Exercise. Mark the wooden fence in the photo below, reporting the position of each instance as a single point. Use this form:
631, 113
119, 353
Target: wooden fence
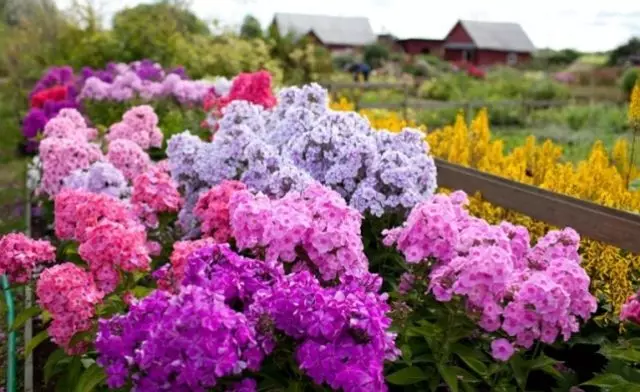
594, 221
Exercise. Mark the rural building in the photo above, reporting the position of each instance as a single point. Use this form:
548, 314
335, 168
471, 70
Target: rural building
336, 33
487, 43
414, 46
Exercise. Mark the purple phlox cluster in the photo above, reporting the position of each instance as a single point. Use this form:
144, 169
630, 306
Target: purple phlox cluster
246, 385
342, 332
100, 177
145, 80
510, 288
315, 228
55, 76
189, 340
140, 125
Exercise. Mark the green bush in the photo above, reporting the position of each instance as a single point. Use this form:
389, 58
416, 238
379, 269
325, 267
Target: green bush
629, 78
375, 55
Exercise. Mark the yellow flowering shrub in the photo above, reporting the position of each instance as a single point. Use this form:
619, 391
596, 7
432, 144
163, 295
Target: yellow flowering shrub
601, 178
380, 119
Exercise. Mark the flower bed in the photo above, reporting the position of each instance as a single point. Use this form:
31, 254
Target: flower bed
298, 248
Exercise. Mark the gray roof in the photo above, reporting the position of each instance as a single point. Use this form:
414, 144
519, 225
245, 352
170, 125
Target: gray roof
332, 30
498, 36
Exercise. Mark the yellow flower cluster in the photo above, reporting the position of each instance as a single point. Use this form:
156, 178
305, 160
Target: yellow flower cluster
601, 178
634, 106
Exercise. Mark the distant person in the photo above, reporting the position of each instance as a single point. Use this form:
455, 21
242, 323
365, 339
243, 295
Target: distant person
358, 69
365, 70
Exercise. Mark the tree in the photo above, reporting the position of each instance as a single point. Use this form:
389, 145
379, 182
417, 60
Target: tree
622, 52
375, 54
251, 28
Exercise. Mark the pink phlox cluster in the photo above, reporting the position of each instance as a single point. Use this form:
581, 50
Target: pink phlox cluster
128, 157
631, 309
154, 192
60, 157
111, 247
212, 209
528, 293
315, 228
77, 211
66, 128
139, 125
20, 254
70, 295
74, 116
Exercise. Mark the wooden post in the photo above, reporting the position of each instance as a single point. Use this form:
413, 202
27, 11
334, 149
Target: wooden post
467, 112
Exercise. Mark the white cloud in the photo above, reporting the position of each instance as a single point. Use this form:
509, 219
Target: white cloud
588, 26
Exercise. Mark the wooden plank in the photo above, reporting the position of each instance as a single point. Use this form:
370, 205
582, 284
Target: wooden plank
615, 227
382, 105
363, 86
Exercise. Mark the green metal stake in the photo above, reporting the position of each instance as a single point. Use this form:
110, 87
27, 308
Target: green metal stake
11, 355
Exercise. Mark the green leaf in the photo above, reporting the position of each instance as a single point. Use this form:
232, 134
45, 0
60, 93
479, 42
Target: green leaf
81, 337
406, 354
141, 291
407, 376
91, 378
449, 376
51, 363
520, 370
35, 341
471, 359
24, 316
625, 354
606, 381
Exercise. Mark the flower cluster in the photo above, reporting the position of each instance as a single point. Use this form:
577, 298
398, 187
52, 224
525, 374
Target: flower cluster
154, 192
212, 210
224, 319
528, 293
314, 228
69, 294
111, 239
100, 177
140, 125
128, 157
301, 140
60, 157
19, 255
631, 310
191, 339
145, 81
342, 334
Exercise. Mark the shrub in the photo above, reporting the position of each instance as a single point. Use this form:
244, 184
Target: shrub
629, 78
375, 54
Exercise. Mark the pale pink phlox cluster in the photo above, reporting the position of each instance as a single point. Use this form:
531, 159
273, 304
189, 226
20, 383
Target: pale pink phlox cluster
128, 157
139, 125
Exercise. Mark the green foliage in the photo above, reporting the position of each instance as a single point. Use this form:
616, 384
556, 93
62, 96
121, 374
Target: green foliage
629, 78
375, 54
622, 52
301, 60
250, 28
602, 118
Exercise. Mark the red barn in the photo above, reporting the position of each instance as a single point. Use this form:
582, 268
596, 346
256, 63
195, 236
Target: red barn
415, 46
487, 43
335, 33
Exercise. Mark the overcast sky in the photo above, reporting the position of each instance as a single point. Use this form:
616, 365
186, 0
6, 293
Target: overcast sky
585, 25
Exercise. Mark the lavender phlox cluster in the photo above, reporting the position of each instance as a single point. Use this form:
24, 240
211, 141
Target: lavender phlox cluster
221, 86
100, 177
342, 332
182, 150
510, 288
182, 342
245, 113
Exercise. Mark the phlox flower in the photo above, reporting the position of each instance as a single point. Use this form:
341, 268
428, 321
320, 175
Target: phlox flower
20, 254
128, 157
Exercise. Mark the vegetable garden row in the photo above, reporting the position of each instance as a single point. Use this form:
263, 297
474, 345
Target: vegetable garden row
223, 236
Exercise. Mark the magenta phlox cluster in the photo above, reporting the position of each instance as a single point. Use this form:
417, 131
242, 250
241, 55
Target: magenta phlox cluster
341, 332
70, 295
139, 125
177, 342
154, 192
510, 288
60, 157
314, 228
19, 255
172, 277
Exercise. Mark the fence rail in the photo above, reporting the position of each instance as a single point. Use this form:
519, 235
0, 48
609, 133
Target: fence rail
615, 227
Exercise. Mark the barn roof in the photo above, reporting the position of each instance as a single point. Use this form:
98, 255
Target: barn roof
498, 36
331, 30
